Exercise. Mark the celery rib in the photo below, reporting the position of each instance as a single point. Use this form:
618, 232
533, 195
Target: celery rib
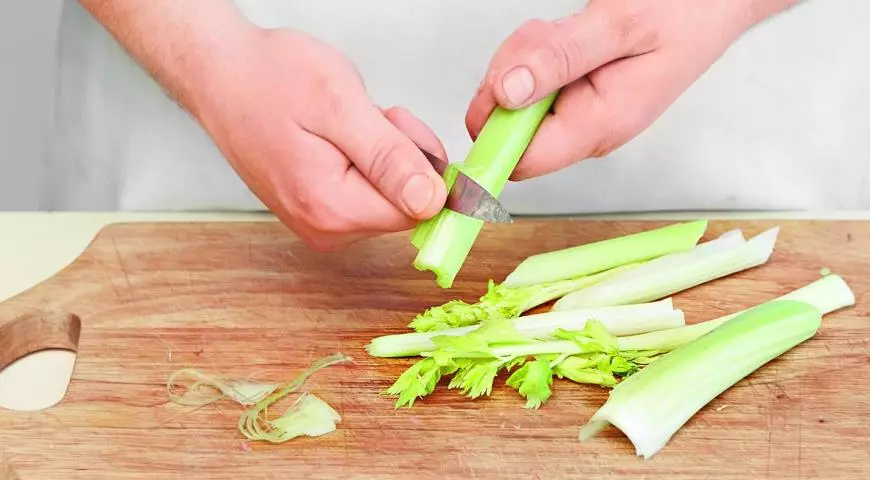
445, 240
503, 302
599, 256
827, 294
676, 272
618, 320
651, 405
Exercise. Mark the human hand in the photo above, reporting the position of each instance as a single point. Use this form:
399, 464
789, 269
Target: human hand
294, 120
619, 64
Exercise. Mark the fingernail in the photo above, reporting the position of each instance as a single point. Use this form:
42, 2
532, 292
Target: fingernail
519, 85
417, 193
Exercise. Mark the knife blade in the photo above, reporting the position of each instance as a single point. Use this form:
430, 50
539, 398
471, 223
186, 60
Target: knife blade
468, 198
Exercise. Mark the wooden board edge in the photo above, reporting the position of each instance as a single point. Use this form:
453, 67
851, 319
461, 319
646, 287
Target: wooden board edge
37, 331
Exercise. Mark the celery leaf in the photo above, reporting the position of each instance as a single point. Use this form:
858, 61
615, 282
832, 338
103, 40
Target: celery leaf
533, 381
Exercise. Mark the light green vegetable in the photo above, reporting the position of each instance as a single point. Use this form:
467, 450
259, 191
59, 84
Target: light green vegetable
618, 320
533, 381
676, 272
603, 255
503, 302
590, 355
445, 240
652, 404
827, 294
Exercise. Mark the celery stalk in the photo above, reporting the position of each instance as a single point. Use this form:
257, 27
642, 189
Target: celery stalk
606, 254
676, 272
503, 302
445, 240
618, 320
827, 294
652, 404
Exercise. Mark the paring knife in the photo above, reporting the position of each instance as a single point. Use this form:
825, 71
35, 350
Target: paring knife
468, 198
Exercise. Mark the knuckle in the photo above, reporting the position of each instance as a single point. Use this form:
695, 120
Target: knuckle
321, 215
632, 29
329, 103
562, 55
326, 220
533, 27
383, 150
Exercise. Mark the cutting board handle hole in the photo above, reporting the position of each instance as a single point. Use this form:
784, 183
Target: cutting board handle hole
42, 332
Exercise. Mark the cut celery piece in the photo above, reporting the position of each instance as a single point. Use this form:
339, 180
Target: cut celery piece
606, 254
827, 294
618, 320
503, 302
676, 272
650, 406
445, 240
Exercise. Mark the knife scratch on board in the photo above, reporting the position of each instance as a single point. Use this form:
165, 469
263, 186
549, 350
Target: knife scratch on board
121, 265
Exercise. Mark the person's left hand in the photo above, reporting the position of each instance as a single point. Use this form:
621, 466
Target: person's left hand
619, 64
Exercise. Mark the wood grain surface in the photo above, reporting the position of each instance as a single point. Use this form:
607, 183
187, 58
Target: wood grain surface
248, 300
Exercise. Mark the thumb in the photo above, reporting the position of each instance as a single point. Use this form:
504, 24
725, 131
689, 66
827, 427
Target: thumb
543, 60
389, 159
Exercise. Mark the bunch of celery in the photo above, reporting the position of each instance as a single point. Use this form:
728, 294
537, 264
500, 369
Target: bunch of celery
624, 274
607, 352
614, 325
548, 276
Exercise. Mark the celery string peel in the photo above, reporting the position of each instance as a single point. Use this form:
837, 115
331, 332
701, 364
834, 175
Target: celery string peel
308, 415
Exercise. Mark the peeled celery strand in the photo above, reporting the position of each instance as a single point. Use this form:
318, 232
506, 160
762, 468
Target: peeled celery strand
651, 405
619, 320
445, 240
606, 254
676, 272
827, 294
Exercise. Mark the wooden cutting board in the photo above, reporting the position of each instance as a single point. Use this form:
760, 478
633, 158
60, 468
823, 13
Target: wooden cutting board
248, 299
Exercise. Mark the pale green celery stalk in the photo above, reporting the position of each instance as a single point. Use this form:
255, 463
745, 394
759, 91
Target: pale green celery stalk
827, 294
617, 320
503, 302
560, 347
671, 274
445, 240
606, 254
650, 406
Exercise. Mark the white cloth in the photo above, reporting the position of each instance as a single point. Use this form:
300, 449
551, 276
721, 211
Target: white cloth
782, 121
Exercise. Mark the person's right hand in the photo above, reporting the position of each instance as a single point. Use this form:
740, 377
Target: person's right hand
293, 118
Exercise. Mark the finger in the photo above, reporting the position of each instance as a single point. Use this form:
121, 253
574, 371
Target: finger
416, 130
596, 115
570, 134
386, 157
571, 48
483, 102
478, 113
327, 201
